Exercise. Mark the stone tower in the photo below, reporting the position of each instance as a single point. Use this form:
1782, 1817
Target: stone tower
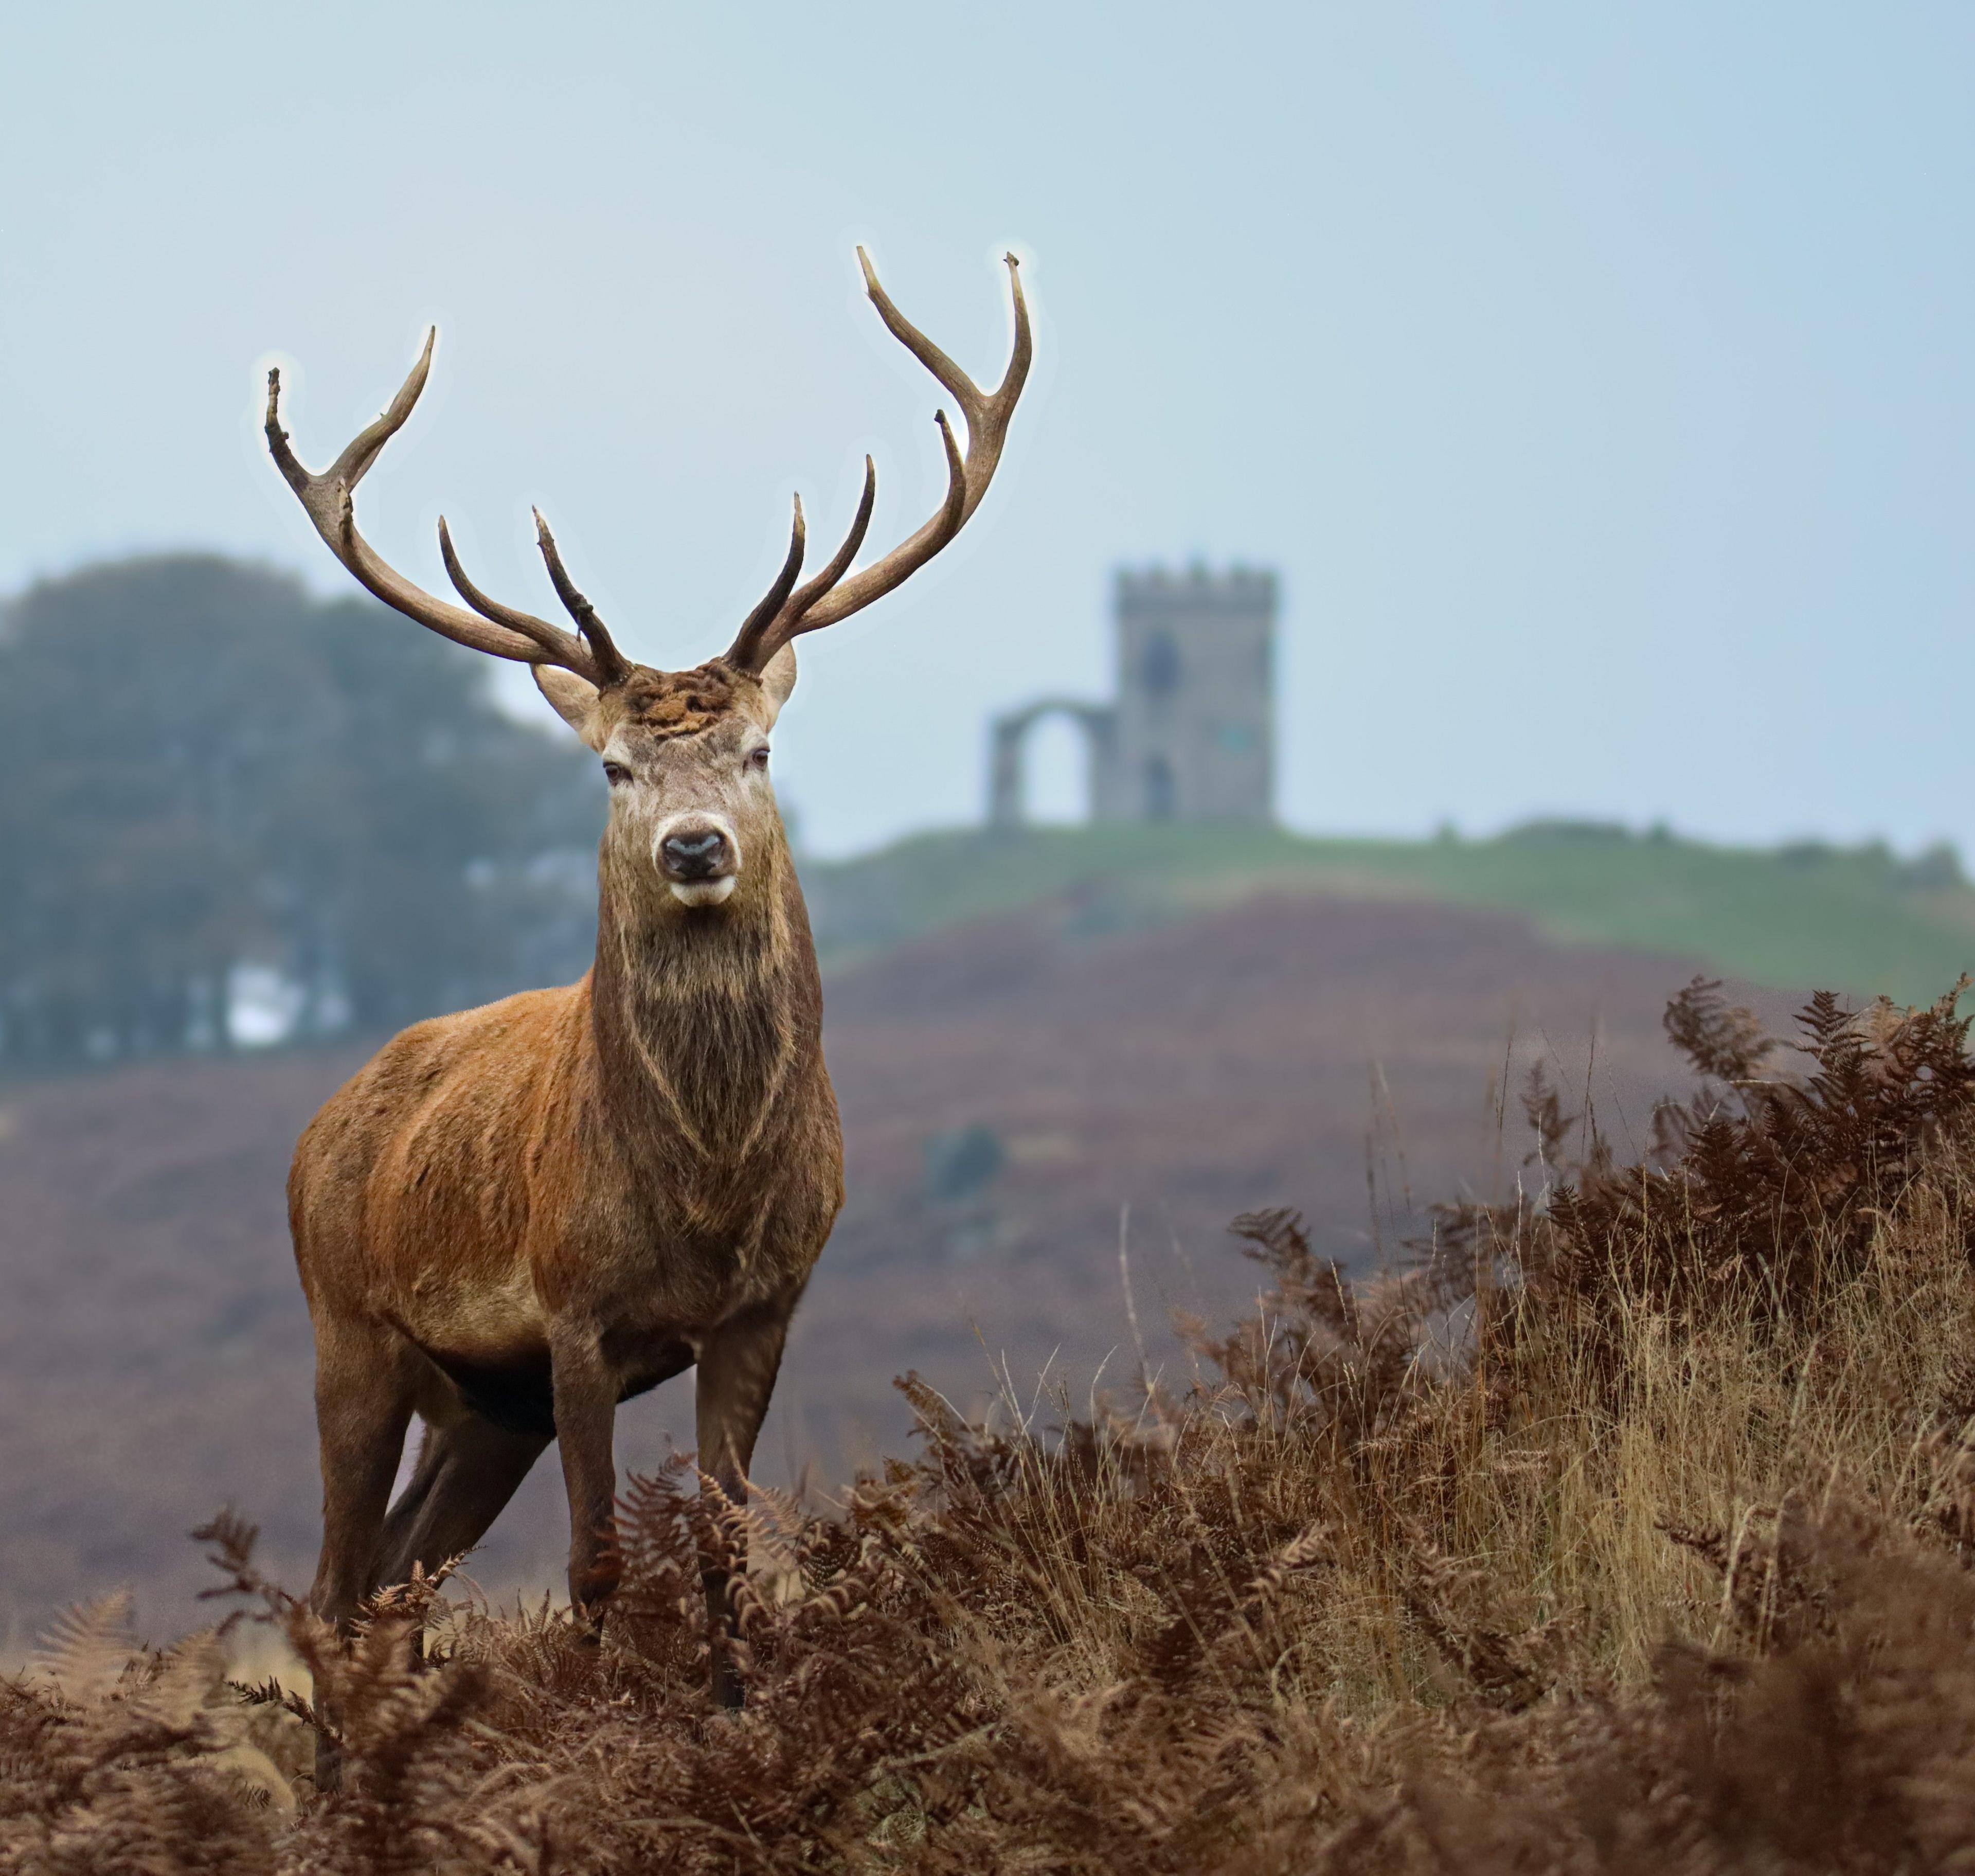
1190, 736
1193, 737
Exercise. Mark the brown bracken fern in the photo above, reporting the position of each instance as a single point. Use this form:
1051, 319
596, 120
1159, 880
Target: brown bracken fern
1629, 1528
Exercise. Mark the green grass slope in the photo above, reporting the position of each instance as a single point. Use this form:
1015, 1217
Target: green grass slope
1857, 919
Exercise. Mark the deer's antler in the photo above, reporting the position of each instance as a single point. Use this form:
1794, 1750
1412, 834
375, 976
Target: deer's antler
502, 630
788, 610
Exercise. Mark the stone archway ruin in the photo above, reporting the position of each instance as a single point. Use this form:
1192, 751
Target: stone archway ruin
1008, 743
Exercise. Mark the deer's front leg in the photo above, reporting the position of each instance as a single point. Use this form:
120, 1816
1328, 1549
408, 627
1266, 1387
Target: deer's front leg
362, 1404
737, 1365
585, 1417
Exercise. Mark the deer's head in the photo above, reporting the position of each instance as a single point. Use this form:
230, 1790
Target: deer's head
686, 756
685, 752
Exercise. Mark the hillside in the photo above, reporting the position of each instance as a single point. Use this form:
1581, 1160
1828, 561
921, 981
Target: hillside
1859, 919
1008, 1087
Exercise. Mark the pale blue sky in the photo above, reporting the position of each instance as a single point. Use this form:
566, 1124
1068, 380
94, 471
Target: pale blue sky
1598, 377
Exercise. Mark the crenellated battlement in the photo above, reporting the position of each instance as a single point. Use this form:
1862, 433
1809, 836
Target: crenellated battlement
1235, 589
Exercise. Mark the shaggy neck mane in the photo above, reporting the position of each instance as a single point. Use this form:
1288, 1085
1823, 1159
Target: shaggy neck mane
695, 1010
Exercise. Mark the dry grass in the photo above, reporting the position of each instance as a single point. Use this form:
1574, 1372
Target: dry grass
1629, 1530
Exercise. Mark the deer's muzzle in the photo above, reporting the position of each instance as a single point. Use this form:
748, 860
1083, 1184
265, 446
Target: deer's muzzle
700, 859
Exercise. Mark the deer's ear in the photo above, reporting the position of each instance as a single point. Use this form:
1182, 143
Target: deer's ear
574, 697
779, 679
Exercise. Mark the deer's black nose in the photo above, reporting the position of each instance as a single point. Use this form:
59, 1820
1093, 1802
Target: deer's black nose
694, 853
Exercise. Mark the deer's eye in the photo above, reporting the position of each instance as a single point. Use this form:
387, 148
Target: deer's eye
615, 772
758, 758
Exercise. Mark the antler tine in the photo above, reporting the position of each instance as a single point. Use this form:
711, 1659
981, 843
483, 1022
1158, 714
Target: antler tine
972, 400
770, 607
611, 665
825, 601
327, 499
769, 619
811, 590
551, 638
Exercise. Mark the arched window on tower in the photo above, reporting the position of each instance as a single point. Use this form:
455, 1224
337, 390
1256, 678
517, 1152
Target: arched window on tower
1158, 668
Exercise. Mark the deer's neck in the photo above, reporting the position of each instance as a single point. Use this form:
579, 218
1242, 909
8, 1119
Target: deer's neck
702, 1017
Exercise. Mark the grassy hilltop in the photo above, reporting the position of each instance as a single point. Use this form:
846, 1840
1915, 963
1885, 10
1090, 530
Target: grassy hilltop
1860, 919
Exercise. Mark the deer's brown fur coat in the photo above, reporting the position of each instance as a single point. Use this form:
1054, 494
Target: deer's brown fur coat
515, 1218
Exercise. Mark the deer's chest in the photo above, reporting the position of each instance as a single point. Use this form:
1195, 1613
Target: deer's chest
682, 1240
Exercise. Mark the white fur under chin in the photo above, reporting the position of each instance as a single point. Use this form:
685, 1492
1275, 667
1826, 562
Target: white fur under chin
702, 891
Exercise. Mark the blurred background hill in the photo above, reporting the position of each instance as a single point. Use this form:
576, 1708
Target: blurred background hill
1066, 1055
1861, 919
1024, 1098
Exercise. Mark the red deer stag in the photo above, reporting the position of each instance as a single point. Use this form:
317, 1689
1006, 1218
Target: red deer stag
517, 1216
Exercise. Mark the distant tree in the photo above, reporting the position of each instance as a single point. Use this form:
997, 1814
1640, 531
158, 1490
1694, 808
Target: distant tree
202, 768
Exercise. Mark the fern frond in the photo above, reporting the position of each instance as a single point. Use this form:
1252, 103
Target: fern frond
87, 1649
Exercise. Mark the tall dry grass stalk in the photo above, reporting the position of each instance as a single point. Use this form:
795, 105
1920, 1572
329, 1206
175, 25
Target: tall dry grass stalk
1628, 1529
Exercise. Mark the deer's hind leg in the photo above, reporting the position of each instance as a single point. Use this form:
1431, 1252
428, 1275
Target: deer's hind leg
468, 1469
